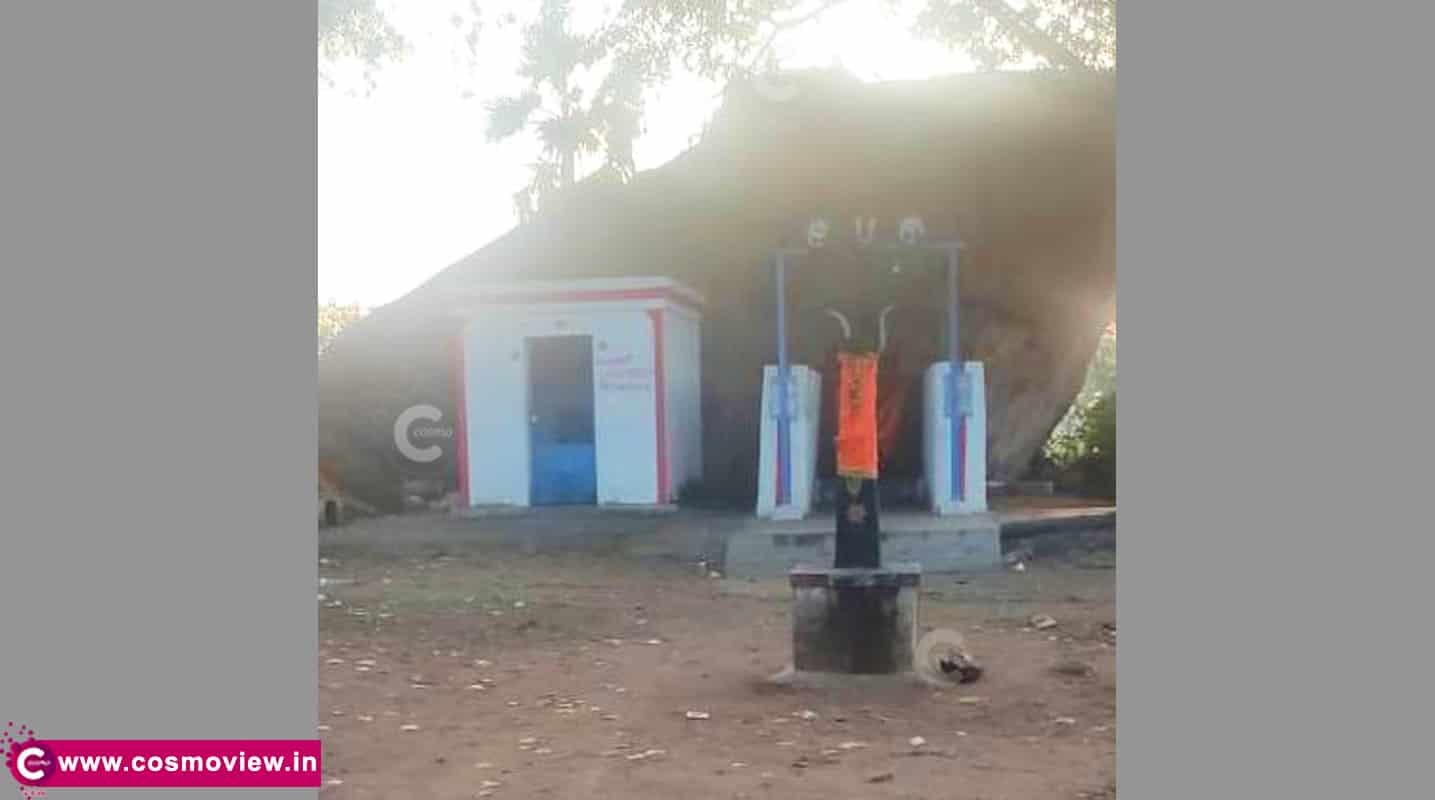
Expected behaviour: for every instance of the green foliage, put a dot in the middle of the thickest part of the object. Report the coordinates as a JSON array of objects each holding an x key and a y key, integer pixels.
[
  {"x": 356, "y": 30},
  {"x": 333, "y": 318},
  {"x": 584, "y": 97},
  {"x": 1082, "y": 448},
  {"x": 1064, "y": 34},
  {"x": 721, "y": 40}
]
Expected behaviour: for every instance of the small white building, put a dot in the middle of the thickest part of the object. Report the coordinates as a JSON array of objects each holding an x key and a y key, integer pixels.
[{"x": 581, "y": 392}]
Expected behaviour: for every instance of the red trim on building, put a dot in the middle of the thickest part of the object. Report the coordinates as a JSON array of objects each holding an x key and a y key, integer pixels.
[
  {"x": 962, "y": 460},
  {"x": 778, "y": 501},
  {"x": 660, "y": 410},
  {"x": 460, "y": 422},
  {"x": 591, "y": 296}
]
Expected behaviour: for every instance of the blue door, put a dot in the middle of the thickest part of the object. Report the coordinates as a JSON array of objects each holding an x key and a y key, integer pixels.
[{"x": 560, "y": 415}]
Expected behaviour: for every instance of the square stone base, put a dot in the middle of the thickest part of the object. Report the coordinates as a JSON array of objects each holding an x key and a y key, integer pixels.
[{"x": 854, "y": 621}]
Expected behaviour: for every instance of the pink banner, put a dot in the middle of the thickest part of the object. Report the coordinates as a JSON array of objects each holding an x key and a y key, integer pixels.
[{"x": 163, "y": 763}]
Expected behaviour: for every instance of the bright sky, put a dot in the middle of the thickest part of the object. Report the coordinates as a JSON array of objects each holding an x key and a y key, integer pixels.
[{"x": 408, "y": 184}]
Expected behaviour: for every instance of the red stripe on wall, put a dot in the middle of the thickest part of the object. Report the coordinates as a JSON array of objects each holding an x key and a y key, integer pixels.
[
  {"x": 660, "y": 406},
  {"x": 962, "y": 461},
  {"x": 778, "y": 500},
  {"x": 460, "y": 422}
]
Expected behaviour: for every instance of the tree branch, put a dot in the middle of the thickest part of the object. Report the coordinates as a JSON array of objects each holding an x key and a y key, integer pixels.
[
  {"x": 780, "y": 25},
  {"x": 1031, "y": 38}
]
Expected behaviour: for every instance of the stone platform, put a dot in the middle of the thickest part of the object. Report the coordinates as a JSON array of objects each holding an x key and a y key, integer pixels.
[
  {"x": 856, "y": 621},
  {"x": 959, "y": 543}
]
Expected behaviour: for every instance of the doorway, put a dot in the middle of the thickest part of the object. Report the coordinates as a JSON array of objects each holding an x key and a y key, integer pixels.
[{"x": 560, "y": 416}]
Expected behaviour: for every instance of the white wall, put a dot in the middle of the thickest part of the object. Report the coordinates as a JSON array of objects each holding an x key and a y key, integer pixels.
[{"x": 496, "y": 379}]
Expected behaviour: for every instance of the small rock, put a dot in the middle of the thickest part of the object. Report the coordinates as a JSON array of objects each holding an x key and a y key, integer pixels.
[
  {"x": 961, "y": 733},
  {"x": 365, "y": 718},
  {"x": 714, "y": 574},
  {"x": 737, "y": 765},
  {"x": 334, "y": 782},
  {"x": 478, "y": 687},
  {"x": 543, "y": 751},
  {"x": 1074, "y": 668},
  {"x": 519, "y": 604},
  {"x": 917, "y": 741},
  {"x": 698, "y": 715},
  {"x": 407, "y": 728},
  {"x": 482, "y": 663},
  {"x": 881, "y": 777},
  {"x": 852, "y": 745},
  {"x": 807, "y": 714},
  {"x": 647, "y": 754},
  {"x": 334, "y": 661},
  {"x": 1065, "y": 720},
  {"x": 490, "y": 784},
  {"x": 483, "y": 765},
  {"x": 654, "y": 641},
  {"x": 1042, "y": 621},
  {"x": 1019, "y": 567},
  {"x": 528, "y": 740},
  {"x": 969, "y": 700}
]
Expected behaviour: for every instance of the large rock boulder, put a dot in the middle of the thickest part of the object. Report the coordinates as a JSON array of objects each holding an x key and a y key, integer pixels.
[{"x": 1020, "y": 165}]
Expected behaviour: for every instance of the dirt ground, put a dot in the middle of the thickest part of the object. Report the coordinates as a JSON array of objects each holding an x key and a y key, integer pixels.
[{"x": 464, "y": 669}]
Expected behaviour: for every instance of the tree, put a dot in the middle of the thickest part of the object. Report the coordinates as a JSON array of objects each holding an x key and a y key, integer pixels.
[
  {"x": 721, "y": 40},
  {"x": 572, "y": 123},
  {"x": 1064, "y": 34},
  {"x": 356, "y": 30},
  {"x": 333, "y": 318},
  {"x": 1082, "y": 448},
  {"x": 584, "y": 93}
]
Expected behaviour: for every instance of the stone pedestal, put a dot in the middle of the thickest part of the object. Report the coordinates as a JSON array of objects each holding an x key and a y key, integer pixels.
[{"x": 855, "y": 621}]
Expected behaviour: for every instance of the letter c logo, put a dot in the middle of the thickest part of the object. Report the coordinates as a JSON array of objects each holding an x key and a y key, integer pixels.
[
  {"x": 46, "y": 763},
  {"x": 422, "y": 455}
]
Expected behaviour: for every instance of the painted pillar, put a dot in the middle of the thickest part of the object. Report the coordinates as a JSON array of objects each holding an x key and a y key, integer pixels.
[{"x": 784, "y": 423}]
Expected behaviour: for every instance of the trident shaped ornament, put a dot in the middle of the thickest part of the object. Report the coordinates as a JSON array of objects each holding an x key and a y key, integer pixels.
[{"x": 847, "y": 325}]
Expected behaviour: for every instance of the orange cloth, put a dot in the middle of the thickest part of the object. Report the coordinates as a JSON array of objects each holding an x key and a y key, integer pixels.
[{"x": 856, "y": 416}]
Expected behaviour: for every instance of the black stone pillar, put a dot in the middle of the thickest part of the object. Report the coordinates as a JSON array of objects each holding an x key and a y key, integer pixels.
[{"x": 859, "y": 537}]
